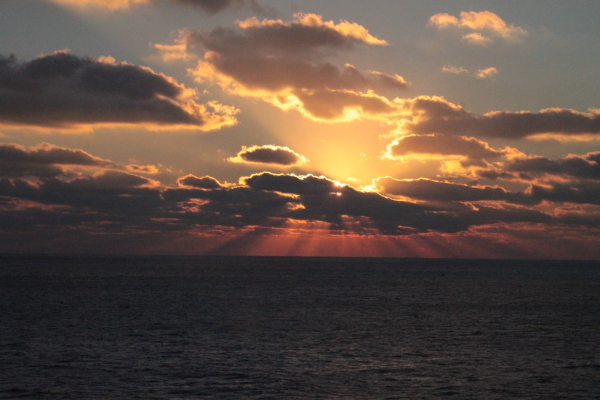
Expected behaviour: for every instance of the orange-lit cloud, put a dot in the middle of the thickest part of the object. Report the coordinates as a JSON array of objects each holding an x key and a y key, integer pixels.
[
  {"x": 62, "y": 91},
  {"x": 343, "y": 32},
  {"x": 142, "y": 169},
  {"x": 486, "y": 72},
  {"x": 284, "y": 63},
  {"x": 209, "y": 6},
  {"x": 482, "y": 27},
  {"x": 269, "y": 154},
  {"x": 452, "y": 69},
  {"x": 109, "y": 4},
  {"x": 477, "y": 39}
]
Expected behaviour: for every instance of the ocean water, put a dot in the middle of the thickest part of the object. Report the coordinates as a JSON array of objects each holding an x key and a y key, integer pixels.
[{"x": 298, "y": 328}]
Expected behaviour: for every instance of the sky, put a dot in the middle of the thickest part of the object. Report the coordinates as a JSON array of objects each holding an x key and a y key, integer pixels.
[{"x": 459, "y": 129}]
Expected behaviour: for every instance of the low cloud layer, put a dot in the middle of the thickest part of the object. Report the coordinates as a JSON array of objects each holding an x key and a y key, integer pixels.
[
  {"x": 67, "y": 92},
  {"x": 106, "y": 200},
  {"x": 285, "y": 63},
  {"x": 269, "y": 154}
]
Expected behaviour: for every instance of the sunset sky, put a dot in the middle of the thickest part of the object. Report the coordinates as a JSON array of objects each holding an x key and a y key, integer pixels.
[{"x": 463, "y": 129}]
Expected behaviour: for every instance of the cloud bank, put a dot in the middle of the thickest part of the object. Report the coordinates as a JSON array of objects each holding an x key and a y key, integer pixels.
[
  {"x": 105, "y": 200},
  {"x": 285, "y": 64},
  {"x": 66, "y": 92}
]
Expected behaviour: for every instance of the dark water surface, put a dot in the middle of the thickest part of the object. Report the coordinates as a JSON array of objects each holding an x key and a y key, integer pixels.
[{"x": 298, "y": 328}]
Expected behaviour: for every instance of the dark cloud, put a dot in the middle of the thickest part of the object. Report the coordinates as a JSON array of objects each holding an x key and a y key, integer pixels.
[
  {"x": 44, "y": 160},
  {"x": 284, "y": 183},
  {"x": 118, "y": 202},
  {"x": 236, "y": 207},
  {"x": 214, "y": 6},
  {"x": 109, "y": 196},
  {"x": 65, "y": 91},
  {"x": 111, "y": 179},
  {"x": 425, "y": 189},
  {"x": 583, "y": 192},
  {"x": 475, "y": 151},
  {"x": 496, "y": 173},
  {"x": 269, "y": 154},
  {"x": 585, "y": 167},
  {"x": 324, "y": 200},
  {"x": 283, "y": 63},
  {"x": 436, "y": 115},
  {"x": 531, "y": 168},
  {"x": 205, "y": 182}
]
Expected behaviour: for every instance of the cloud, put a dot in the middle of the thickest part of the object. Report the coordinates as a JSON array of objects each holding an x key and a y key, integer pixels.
[
  {"x": 581, "y": 192},
  {"x": 107, "y": 194},
  {"x": 269, "y": 154},
  {"x": 110, "y": 4},
  {"x": 430, "y": 114},
  {"x": 112, "y": 179},
  {"x": 284, "y": 63},
  {"x": 43, "y": 161},
  {"x": 205, "y": 182},
  {"x": 325, "y": 200},
  {"x": 535, "y": 167},
  {"x": 477, "y": 39},
  {"x": 452, "y": 69},
  {"x": 142, "y": 169},
  {"x": 486, "y": 73},
  {"x": 214, "y": 6},
  {"x": 470, "y": 150},
  {"x": 290, "y": 183},
  {"x": 480, "y": 74},
  {"x": 482, "y": 27},
  {"x": 209, "y": 6},
  {"x": 111, "y": 201},
  {"x": 67, "y": 92},
  {"x": 430, "y": 190},
  {"x": 122, "y": 203}
]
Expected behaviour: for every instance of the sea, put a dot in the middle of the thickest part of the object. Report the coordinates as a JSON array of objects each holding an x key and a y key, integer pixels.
[{"x": 298, "y": 328}]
